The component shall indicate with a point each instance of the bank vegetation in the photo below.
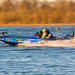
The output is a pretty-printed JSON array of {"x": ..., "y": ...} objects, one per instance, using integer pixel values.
[{"x": 36, "y": 12}]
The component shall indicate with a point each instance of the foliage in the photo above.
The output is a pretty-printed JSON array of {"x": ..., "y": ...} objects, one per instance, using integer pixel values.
[{"x": 35, "y": 12}]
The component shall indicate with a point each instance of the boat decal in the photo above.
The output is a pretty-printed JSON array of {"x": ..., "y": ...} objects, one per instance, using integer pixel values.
[
  {"x": 20, "y": 40},
  {"x": 8, "y": 39}
]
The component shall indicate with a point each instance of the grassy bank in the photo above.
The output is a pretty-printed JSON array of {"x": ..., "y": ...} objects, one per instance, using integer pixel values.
[{"x": 42, "y": 24}]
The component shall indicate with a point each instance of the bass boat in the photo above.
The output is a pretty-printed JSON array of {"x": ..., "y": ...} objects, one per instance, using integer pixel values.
[{"x": 18, "y": 39}]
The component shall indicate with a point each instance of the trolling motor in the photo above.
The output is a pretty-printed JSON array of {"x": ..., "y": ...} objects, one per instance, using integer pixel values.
[
  {"x": 3, "y": 33},
  {"x": 72, "y": 36}
]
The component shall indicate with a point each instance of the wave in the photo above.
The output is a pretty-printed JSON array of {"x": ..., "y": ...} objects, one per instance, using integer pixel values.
[{"x": 57, "y": 43}]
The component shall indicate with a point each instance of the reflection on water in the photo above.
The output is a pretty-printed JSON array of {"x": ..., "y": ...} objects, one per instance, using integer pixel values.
[{"x": 50, "y": 58}]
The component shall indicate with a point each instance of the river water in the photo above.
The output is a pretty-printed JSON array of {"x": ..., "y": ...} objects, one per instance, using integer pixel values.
[{"x": 58, "y": 58}]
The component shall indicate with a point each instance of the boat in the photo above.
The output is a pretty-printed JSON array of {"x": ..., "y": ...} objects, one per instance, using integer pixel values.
[{"x": 18, "y": 39}]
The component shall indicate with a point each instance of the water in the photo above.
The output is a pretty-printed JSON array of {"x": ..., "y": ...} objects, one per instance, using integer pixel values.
[{"x": 36, "y": 60}]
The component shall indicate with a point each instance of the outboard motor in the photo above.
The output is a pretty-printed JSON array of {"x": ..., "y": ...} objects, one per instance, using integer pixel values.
[{"x": 74, "y": 34}]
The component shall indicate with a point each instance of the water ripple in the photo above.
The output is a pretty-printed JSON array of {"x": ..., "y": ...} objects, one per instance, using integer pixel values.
[{"x": 46, "y": 60}]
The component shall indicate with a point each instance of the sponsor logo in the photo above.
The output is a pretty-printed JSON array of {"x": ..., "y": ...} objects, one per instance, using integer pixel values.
[
  {"x": 8, "y": 39},
  {"x": 20, "y": 40}
]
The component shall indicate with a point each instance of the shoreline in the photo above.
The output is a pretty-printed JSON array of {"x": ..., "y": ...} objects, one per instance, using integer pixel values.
[{"x": 42, "y": 24}]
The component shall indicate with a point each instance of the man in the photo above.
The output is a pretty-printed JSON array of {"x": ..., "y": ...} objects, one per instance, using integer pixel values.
[
  {"x": 2, "y": 34},
  {"x": 46, "y": 34}
]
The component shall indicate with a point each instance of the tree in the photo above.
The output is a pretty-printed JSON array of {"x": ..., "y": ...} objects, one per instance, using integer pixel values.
[{"x": 7, "y": 6}]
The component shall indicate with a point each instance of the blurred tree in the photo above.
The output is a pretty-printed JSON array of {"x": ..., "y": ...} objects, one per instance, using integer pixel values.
[
  {"x": 25, "y": 4},
  {"x": 7, "y": 5},
  {"x": 34, "y": 11}
]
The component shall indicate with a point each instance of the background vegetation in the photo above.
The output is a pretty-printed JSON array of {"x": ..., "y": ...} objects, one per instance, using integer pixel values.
[{"x": 36, "y": 12}]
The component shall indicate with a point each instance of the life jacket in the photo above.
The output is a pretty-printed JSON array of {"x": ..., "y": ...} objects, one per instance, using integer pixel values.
[
  {"x": 37, "y": 34},
  {"x": 47, "y": 35}
]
